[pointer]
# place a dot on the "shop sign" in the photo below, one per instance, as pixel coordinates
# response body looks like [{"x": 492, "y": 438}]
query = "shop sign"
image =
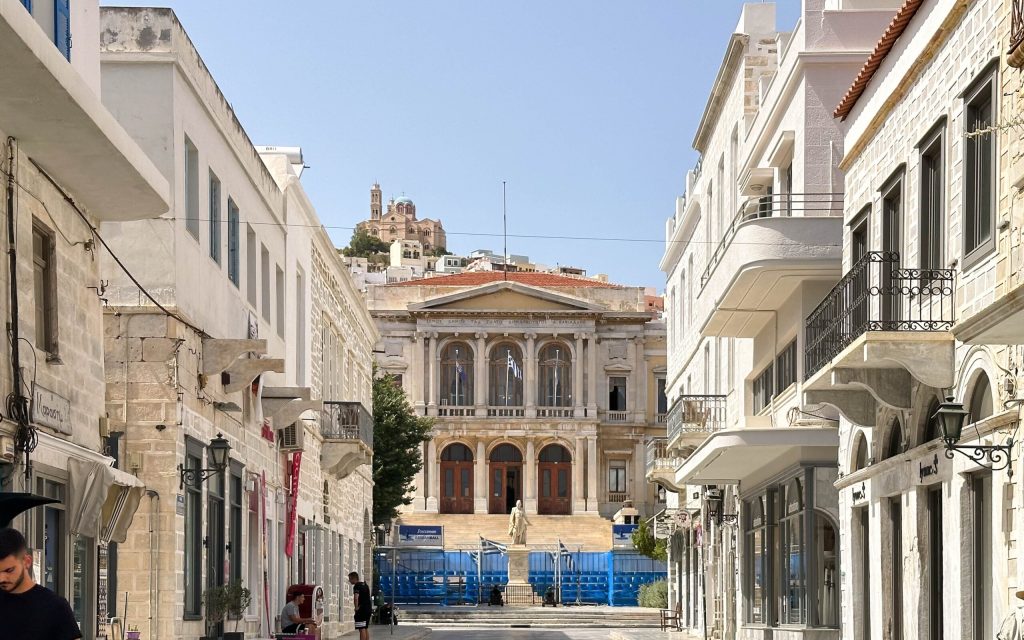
[
  {"x": 927, "y": 470},
  {"x": 860, "y": 494},
  {"x": 622, "y": 535},
  {"x": 51, "y": 410},
  {"x": 420, "y": 535}
]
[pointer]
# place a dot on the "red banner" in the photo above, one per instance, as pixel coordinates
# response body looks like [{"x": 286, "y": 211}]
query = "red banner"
[
  {"x": 293, "y": 504},
  {"x": 263, "y": 527}
]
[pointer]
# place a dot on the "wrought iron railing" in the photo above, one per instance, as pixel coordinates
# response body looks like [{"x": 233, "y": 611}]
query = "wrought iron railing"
[
  {"x": 877, "y": 295},
  {"x": 696, "y": 414},
  {"x": 346, "y": 421},
  {"x": 778, "y": 205},
  {"x": 1016, "y": 25},
  {"x": 658, "y": 457}
]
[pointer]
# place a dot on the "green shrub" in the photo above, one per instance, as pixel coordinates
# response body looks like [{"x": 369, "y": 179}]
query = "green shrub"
[{"x": 654, "y": 595}]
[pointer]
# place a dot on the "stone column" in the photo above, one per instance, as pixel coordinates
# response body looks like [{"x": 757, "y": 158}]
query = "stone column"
[
  {"x": 633, "y": 386},
  {"x": 579, "y": 498},
  {"x": 433, "y": 482},
  {"x": 530, "y": 477},
  {"x": 419, "y": 503},
  {"x": 639, "y": 491},
  {"x": 480, "y": 478},
  {"x": 577, "y": 377},
  {"x": 593, "y": 491},
  {"x": 530, "y": 375},
  {"x": 480, "y": 384},
  {"x": 592, "y": 376},
  {"x": 642, "y": 377},
  {"x": 434, "y": 365},
  {"x": 417, "y": 373}
]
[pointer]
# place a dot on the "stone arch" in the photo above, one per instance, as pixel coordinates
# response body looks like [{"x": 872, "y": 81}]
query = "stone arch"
[
  {"x": 546, "y": 442},
  {"x": 500, "y": 441},
  {"x": 895, "y": 441},
  {"x": 926, "y": 402},
  {"x": 860, "y": 451}
]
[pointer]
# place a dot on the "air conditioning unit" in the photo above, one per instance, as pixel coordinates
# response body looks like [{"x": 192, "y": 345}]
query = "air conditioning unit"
[{"x": 291, "y": 438}]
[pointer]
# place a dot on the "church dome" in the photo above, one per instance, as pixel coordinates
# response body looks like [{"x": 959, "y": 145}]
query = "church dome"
[{"x": 403, "y": 200}]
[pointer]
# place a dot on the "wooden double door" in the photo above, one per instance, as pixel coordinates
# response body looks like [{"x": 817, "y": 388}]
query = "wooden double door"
[
  {"x": 456, "y": 479},
  {"x": 554, "y": 481},
  {"x": 506, "y": 486}
]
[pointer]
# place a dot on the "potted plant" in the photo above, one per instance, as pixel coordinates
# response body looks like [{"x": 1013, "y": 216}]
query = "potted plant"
[
  {"x": 215, "y": 609},
  {"x": 237, "y": 599}
]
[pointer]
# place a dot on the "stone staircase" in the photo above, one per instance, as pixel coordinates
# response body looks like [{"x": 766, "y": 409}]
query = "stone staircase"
[
  {"x": 593, "y": 532},
  {"x": 592, "y": 617}
]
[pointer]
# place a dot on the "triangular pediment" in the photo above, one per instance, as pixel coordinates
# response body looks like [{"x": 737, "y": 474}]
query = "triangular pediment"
[{"x": 506, "y": 296}]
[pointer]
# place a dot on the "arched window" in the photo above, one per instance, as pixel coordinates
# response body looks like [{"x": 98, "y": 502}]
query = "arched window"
[
  {"x": 554, "y": 453},
  {"x": 457, "y": 452},
  {"x": 860, "y": 456},
  {"x": 555, "y": 376},
  {"x": 894, "y": 445},
  {"x": 375, "y": 232},
  {"x": 392, "y": 230},
  {"x": 457, "y": 375},
  {"x": 506, "y": 453},
  {"x": 981, "y": 399},
  {"x": 932, "y": 427},
  {"x": 506, "y": 380}
]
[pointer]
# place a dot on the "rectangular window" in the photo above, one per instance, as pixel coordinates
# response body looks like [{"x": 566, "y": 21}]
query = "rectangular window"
[
  {"x": 279, "y": 292},
  {"x": 981, "y": 560},
  {"x": 859, "y": 236},
  {"x": 757, "y": 580},
  {"x": 662, "y": 407},
  {"x": 617, "y": 393},
  {"x": 785, "y": 368},
  {"x": 234, "y": 260},
  {"x": 252, "y": 276},
  {"x": 265, "y": 279},
  {"x": 763, "y": 389},
  {"x": 617, "y": 476},
  {"x": 191, "y": 179},
  {"x": 931, "y": 229},
  {"x": 235, "y": 547},
  {"x": 215, "y": 530},
  {"x": 193, "y": 531},
  {"x": 62, "y": 27},
  {"x": 979, "y": 170},
  {"x": 300, "y": 329},
  {"x": 214, "y": 218},
  {"x": 44, "y": 280}
]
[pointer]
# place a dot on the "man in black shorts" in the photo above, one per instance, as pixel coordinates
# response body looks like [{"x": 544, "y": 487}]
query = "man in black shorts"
[
  {"x": 29, "y": 611},
  {"x": 362, "y": 604}
]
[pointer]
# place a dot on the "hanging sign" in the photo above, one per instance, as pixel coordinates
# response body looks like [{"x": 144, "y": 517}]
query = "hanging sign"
[{"x": 420, "y": 535}]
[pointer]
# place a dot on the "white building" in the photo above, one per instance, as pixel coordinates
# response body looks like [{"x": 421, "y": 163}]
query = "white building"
[
  {"x": 753, "y": 247},
  {"x": 259, "y": 336},
  {"x": 66, "y": 166}
]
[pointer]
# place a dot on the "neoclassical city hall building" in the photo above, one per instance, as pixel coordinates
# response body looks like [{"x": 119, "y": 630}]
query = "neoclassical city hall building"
[{"x": 544, "y": 388}]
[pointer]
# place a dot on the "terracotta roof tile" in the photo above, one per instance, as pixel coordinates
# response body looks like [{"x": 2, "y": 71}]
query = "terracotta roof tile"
[
  {"x": 473, "y": 278},
  {"x": 892, "y": 33}
]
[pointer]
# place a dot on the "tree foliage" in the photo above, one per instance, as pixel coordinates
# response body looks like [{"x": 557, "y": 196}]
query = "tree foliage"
[
  {"x": 398, "y": 436},
  {"x": 646, "y": 544},
  {"x": 364, "y": 245},
  {"x": 653, "y": 595},
  {"x": 439, "y": 251}
]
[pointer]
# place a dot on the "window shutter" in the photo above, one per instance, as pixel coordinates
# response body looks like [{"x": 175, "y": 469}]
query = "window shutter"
[
  {"x": 28, "y": 5},
  {"x": 62, "y": 26}
]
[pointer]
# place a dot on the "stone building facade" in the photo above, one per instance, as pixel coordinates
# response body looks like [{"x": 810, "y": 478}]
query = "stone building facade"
[
  {"x": 65, "y": 167},
  {"x": 241, "y": 322},
  {"x": 399, "y": 222},
  {"x": 544, "y": 389}
]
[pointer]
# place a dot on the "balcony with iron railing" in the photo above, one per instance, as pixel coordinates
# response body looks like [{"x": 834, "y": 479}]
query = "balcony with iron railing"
[
  {"x": 772, "y": 244},
  {"x": 880, "y": 326},
  {"x": 691, "y": 418},
  {"x": 347, "y": 432},
  {"x": 662, "y": 463},
  {"x": 1015, "y": 52}
]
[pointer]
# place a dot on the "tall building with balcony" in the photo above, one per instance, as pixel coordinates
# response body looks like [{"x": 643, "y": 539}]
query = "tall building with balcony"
[
  {"x": 66, "y": 168},
  {"x": 544, "y": 388},
  {"x": 754, "y": 246},
  {"x": 241, "y": 323},
  {"x": 925, "y": 319}
]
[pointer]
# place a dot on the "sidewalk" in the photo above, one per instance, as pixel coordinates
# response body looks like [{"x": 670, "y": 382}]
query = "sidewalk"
[
  {"x": 378, "y": 632},
  {"x": 651, "y": 634}
]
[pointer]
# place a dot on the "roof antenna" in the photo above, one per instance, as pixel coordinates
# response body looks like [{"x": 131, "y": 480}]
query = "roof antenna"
[{"x": 504, "y": 225}]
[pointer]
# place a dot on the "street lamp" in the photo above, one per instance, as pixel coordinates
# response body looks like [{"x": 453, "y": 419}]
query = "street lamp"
[
  {"x": 950, "y": 416},
  {"x": 220, "y": 449}
]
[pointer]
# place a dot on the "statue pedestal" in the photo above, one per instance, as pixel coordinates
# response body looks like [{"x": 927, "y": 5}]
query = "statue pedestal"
[{"x": 518, "y": 564}]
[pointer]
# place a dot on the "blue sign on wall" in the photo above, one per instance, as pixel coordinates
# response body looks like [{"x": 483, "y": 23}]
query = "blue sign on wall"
[
  {"x": 621, "y": 535},
  {"x": 419, "y": 535}
]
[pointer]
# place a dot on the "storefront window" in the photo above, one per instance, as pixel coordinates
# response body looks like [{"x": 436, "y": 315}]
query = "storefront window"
[
  {"x": 83, "y": 554},
  {"x": 757, "y": 567},
  {"x": 791, "y": 527}
]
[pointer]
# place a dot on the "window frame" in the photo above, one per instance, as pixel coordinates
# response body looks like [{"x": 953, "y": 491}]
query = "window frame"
[
  {"x": 552, "y": 393},
  {"x": 190, "y": 183},
  {"x": 625, "y": 392},
  {"x": 234, "y": 244},
  {"x": 236, "y": 511},
  {"x": 47, "y": 335},
  {"x": 762, "y": 389},
  {"x": 193, "y": 529},
  {"x": 616, "y": 473},
  {"x": 933, "y": 144},
  {"x": 451, "y": 357},
  {"x": 215, "y": 193},
  {"x": 786, "y": 362},
  {"x": 984, "y": 87}
]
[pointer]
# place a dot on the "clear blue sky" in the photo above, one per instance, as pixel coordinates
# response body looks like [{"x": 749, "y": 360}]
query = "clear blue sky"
[{"x": 585, "y": 107}]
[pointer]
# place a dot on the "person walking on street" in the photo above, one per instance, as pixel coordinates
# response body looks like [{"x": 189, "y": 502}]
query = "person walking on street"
[
  {"x": 362, "y": 605},
  {"x": 29, "y": 611}
]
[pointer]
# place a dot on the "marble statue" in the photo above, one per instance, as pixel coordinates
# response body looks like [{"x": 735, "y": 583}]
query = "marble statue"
[{"x": 517, "y": 524}]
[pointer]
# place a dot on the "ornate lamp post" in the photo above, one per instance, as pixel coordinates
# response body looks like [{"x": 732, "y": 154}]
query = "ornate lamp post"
[
  {"x": 950, "y": 416},
  {"x": 220, "y": 449}
]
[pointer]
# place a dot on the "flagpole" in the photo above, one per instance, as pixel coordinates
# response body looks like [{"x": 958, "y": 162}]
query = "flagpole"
[{"x": 504, "y": 226}]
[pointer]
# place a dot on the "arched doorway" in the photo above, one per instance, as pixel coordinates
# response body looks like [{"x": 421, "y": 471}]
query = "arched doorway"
[
  {"x": 554, "y": 481},
  {"x": 457, "y": 479},
  {"x": 506, "y": 478}
]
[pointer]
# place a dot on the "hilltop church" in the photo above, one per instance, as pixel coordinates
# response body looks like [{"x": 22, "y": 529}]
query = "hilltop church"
[{"x": 399, "y": 222}]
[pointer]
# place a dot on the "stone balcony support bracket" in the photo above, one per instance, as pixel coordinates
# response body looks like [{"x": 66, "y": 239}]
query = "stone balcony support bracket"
[
  {"x": 930, "y": 362},
  {"x": 890, "y": 387},
  {"x": 242, "y": 372},
  {"x": 285, "y": 412},
  {"x": 859, "y": 407},
  {"x": 220, "y": 353}
]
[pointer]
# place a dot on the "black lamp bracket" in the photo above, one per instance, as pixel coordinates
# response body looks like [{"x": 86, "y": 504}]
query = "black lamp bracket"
[
  {"x": 195, "y": 476},
  {"x": 998, "y": 456}
]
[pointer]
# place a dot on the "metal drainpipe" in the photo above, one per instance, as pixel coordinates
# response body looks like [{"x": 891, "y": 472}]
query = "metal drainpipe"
[
  {"x": 775, "y": 340},
  {"x": 154, "y": 556}
]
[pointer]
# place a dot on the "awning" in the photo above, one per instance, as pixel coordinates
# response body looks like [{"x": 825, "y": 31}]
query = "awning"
[
  {"x": 102, "y": 500},
  {"x": 13, "y": 504},
  {"x": 738, "y": 455}
]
